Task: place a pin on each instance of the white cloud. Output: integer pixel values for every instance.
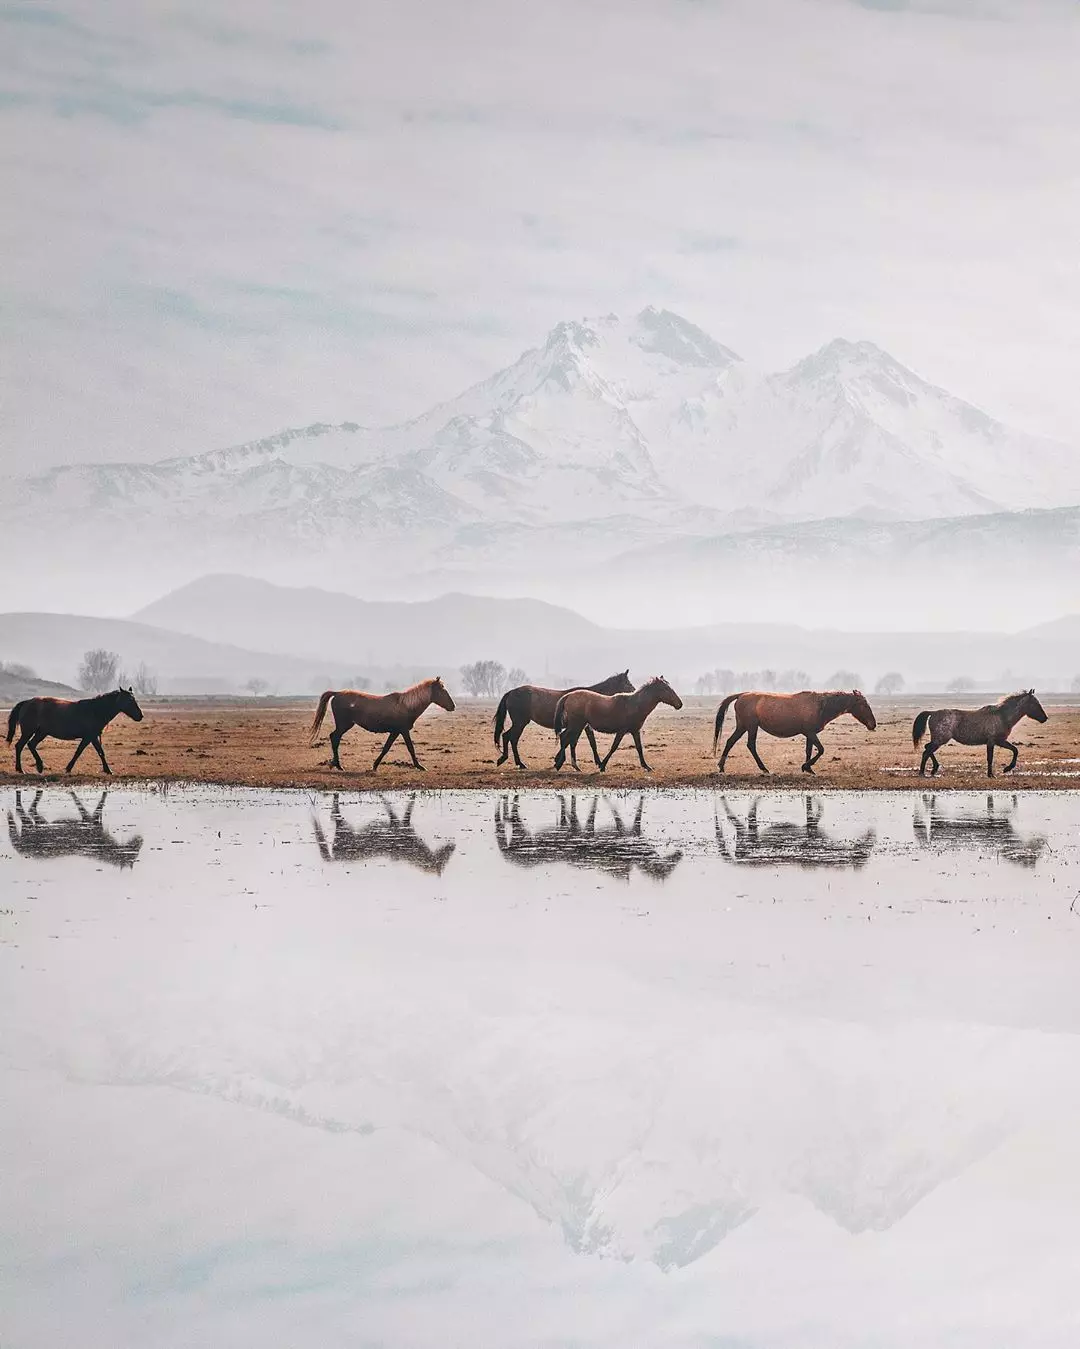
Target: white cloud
(217, 228)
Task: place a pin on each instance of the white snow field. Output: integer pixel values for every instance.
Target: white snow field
(687, 1069)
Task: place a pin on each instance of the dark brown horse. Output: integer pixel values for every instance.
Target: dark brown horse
(83, 719)
(529, 702)
(389, 714)
(786, 715)
(618, 714)
(989, 726)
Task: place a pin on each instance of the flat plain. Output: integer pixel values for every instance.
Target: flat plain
(265, 743)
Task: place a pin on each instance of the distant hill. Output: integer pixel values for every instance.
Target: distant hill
(16, 686)
(184, 664)
(327, 625)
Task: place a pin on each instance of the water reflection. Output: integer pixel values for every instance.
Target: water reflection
(32, 835)
(393, 837)
(990, 831)
(787, 843)
(616, 849)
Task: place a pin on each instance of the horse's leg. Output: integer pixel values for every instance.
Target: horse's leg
(614, 746)
(560, 756)
(96, 742)
(412, 752)
(36, 740)
(808, 766)
(640, 752)
(751, 744)
(928, 756)
(74, 758)
(732, 740)
(989, 758)
(592, 742)
(385, 749)
(512, 739)
(341, 725)
(23, 738)
(1007, 744)
(932, 750)
(573, 749)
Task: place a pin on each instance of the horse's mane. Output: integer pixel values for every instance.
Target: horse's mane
(1012, 700)
(417, 694)
(100, 697)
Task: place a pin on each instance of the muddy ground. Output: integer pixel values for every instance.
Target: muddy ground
(260, 743)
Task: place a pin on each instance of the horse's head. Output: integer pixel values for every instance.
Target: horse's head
(861, 710)
(1031, 707)
(125, 702)
(622, 683)
(440, 694)
(665, 692)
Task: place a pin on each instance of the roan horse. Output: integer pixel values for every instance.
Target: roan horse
(392, 714)
(82, 720)
(529, 702)
(618, 714)
(987, 726)
(786, 715)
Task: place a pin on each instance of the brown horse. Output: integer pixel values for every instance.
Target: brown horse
(786, 715)
(529, 702)
(83, 719)
(392, 714)
(617, 714)
(987, 726)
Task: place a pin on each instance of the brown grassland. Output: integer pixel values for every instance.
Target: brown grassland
(264, 743)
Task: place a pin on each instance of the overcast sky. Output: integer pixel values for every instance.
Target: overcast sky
(219, 220)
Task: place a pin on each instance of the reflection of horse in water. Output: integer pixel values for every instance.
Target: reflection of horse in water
(789, 844)
(991, 831)
(618, 849)
(32, 835)
(393, 837)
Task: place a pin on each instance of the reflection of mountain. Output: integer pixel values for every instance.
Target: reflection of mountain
(32, 835)
(618, 849)
(394, 838)
(989, 831)
(788, 844)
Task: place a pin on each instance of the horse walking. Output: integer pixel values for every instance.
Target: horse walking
(389, 714)
(618, 714)
(81, 719)
(529, 702)
(989, 726)
(786, 715)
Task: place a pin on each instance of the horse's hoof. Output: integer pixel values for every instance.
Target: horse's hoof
(646, 768)
(419, 767)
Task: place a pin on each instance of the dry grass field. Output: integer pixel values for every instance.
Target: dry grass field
(263, 743)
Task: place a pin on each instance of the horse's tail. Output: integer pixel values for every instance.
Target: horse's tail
(320, 712)
(500, 717)
(559, 723)
(721, 713)
(13, 720)
(918, 728)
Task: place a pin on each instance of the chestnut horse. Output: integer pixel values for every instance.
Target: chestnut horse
(617, 714)
(529, 702)
(394, 714)
(83, 720)
(785, 715)
(987, 726)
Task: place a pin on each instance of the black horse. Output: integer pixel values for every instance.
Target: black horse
(83, 720)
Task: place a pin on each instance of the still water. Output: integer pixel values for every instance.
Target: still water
(487, 1069)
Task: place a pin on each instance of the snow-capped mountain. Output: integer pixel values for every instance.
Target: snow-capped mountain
(613, 435)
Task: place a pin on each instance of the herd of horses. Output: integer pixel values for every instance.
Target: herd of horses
(613, 707)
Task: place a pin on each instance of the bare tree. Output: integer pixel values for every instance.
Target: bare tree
(890, 683)
(1074, 687)
(961, 684)
(17, 669)
(517, 676)
(256, 685)
(483, 678)
(790, 681)
(98, 670)
(144, 681)
(844, 679)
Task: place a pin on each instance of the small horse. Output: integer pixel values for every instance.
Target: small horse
(786, 715)
(987, 726)
(529, 702)
(394, 714)
(617, 714)
(83, 719)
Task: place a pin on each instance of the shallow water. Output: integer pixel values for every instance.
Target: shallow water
(476, 1069)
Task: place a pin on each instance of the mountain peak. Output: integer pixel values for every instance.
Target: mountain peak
(670, 335)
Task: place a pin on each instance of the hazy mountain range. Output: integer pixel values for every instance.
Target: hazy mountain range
(216, 633)
(616, 448)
